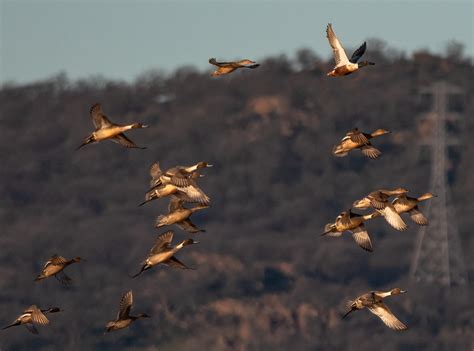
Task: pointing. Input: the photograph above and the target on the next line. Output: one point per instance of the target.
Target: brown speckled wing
(393, 218)
(124, 141)
(383, 312)
(188, 226)
(359, 138)
(361, 237)
(155, 170)
(175, 203)
(370, 151)
(181, 179)
(418, 217)
(38, 317)
(98, 118)
(162, 242)
(193, 194)
(125, 305)
(175, 263)
(378, 200)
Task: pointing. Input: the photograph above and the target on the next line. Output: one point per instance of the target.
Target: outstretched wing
(383, 312)
(378, 200)
(393, 218)
(55, 260)
(188, 226)
(32, 329)
(358, 137)
(163, 241)
(98, 117)
(125, 305)
(193, 193)
(358, 53)
(181, 178)
(361, 237)
(124, 141)
(214, 62)
(339, 54)
(175, 263)
(175, 204)
(418, 217)
(155, 170)
(370, 151)
(37, 316)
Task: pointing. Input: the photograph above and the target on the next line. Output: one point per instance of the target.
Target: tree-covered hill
(264, 278)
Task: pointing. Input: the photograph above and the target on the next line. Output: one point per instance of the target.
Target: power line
(438, 256)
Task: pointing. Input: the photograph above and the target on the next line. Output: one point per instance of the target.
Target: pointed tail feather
(80, 146)
(11, 325)
(144, 202)
(144, 268)
(347, 313)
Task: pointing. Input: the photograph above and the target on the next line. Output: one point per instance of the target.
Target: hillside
(264, 278)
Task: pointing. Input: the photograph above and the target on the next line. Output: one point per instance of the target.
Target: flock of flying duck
(180, 184)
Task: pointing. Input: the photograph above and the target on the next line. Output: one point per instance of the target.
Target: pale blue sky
(121, 39)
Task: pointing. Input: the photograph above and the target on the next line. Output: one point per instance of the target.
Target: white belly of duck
(159, 258)
(344, 70)
(106, 133)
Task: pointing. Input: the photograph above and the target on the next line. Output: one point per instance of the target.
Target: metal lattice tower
(438, 256)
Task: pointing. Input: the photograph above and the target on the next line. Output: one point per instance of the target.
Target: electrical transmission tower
(438, 256)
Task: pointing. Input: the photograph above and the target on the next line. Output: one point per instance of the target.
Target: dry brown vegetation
(264, 278)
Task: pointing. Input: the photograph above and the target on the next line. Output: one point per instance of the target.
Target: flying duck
(379, 201)
(179, 215)
(374, 302)
(229, 67)
(353, 223)
(404, 203)
(104, 129)
(54, 266)
(344, 66)
(355, 139)
(33, 316)
(124, 319)
(163, 252)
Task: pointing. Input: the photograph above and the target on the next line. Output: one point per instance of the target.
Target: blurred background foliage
(265, 280)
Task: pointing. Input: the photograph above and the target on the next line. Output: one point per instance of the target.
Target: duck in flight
(229, 67)
(163, 252)
(55, 267)
(33, 316)
(354, 223)
(378, 200)
(403, 203)
(106, 130)
(178, 175)
(179, 215)
(344, 66)
(374, 302)
(124, 319)
(355, 139)
(178, 181)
